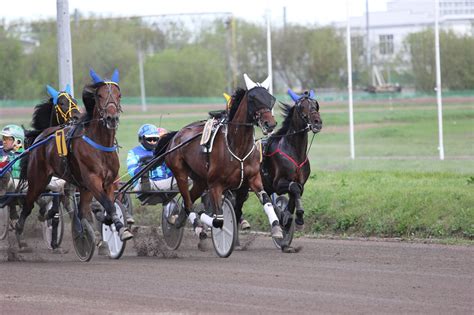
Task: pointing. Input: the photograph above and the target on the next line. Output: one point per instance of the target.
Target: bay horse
(285, 166)
(91, 163)
(60, 109)
(233, 162)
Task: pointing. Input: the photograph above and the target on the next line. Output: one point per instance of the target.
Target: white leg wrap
(191, 217)
(207, 220)
(268, 207)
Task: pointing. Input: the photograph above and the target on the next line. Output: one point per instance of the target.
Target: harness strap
(288, 157)
(237, 158)
(97, 146)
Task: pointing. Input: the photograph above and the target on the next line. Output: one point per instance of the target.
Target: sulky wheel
(224, 238)
(4, 222)
(111, 235)
(83, 239)
(171, 234)
(47, 226)
(282, 203)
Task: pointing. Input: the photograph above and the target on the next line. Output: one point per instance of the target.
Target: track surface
(326, 276)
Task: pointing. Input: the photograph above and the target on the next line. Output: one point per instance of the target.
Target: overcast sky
(304, 11)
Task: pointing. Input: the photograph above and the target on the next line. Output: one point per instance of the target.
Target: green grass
(396, 186)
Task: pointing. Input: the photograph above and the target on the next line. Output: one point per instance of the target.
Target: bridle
(66, 116)
(110, 101)
(313, 108)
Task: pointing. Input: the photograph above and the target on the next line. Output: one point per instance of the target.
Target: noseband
(66, 116)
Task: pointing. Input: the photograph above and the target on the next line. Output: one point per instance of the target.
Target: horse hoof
(203, 245)
(125, 234)
(277, 232)
(103, 249)
(288, 249)
(41, 217)
(178, 220)
(130, 220)
(59, 250)
(299, 227)
(244, 225)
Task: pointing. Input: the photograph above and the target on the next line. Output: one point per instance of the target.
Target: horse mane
(88, 98)
(287, 113)
(236, 99)
(42, 115)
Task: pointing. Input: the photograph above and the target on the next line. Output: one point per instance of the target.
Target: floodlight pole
(269, 52)
(64, 45)
(438, 83)
(142, 78)
(349, 83)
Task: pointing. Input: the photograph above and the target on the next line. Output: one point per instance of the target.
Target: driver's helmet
(149, 134)
(16, 132)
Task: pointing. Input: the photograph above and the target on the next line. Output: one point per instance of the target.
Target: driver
(158, 178)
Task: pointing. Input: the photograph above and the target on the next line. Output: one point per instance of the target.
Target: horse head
(260, 104)
(107, 97)
(65, 106)
(308, 109)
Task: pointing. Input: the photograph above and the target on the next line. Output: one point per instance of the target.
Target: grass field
(396, 186)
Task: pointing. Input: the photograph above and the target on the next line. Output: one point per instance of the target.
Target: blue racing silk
(134, 165)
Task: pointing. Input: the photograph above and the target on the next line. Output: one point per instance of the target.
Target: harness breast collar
(288, 157)
(97, 146)
(237, 158)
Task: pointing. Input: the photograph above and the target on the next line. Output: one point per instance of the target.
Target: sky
(320, 12)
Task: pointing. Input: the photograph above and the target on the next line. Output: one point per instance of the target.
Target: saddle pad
(61, 143)
(207, 131)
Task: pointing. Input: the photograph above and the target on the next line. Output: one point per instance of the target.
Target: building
(388, 29)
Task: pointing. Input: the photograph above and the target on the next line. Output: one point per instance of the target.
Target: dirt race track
(326, 276)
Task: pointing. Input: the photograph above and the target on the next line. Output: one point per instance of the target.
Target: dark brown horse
(92, 162)
(234, 161)
(59, 110)
(285, 166)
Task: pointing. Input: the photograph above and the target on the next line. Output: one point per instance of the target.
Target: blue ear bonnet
(55, 94)
(295, 97)
(97, 79)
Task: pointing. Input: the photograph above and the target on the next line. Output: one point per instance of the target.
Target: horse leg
(241, 196)
(296, 189)
(215, 194)
(109, 206)
(35, 188)
(179, 220)
(257, 187)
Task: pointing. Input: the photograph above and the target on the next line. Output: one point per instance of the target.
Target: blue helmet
(148, 131)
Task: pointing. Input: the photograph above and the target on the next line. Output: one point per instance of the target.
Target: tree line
(184, 60)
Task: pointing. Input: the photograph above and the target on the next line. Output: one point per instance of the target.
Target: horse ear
(266, 83)
(95, 77)
(248, 82)
(53, 93)
(67, 89)
(227, 100)
(311, 94)
(295, 97)
(115, 76)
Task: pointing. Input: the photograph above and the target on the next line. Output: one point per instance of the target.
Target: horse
(91, 162)
(233, 162)
(285, 165)
(60, 109)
